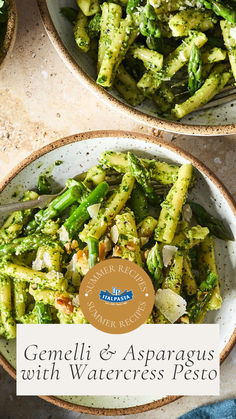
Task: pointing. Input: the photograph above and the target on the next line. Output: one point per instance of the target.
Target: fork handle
(40, 202)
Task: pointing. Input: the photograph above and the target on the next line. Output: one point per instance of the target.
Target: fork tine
(225, 93)
(220, 101)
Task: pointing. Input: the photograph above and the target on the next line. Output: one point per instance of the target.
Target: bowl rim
(100, 92)
(162, 144)
(11, 31)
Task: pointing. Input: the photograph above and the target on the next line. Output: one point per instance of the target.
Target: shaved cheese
(144, 240)
(82, 262)
(93, 210)
(170, 304)
(75, 301)
(187, 213)
(233, 33)
(63, 234)
(72, 272)
(71, 267)
(108, 244)
(41, 262)
(54, 274)
(37, 264)
(114, 234)
(168, 253)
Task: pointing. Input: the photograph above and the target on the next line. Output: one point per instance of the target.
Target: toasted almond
(146, 253)
(64, 304)
(74, 244)
(68, 247)
(117, 252)
(131, 246)
(102, 251)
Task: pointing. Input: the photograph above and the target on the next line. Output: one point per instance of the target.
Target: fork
(226, 95)
(41, 202)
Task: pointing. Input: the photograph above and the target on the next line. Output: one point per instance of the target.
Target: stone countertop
(40, 102)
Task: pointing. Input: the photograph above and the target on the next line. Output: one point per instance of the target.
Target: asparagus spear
(84, 189)
(203, 296)
(93, 251)
(215, 226)
(75, 222)
(59, 204)
(194, 70)
(227, 11)
(142, 176)
(149, 26)
(26, 244)
(138, 203)
(73, 208)
(148, 22)
(76, 192)
(43, 313)
(133, 5)
(155, 266)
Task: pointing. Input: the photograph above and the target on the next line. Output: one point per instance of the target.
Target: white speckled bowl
(10, 36)
(218, 121)
(78, 154)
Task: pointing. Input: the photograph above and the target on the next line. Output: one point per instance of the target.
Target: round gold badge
(116, 296)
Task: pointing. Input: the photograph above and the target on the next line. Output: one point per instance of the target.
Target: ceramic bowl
(217, 121)
(10, 36)
(78, 154)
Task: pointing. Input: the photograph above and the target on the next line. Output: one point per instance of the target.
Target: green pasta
(127, 207)
(142, 48)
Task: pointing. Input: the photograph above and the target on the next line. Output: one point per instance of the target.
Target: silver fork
(227, 95)
(41, 202)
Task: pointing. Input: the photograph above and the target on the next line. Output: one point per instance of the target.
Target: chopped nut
(146, 253)
(64, 304)
(68, 247)
(131, 246)
(74, 244)
(102, 251)
(184, 319)
(117, 252)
